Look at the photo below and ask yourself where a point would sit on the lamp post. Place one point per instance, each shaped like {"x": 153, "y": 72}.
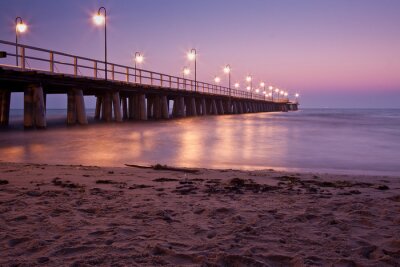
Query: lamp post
{"x": 297, "y": 97}
{"x": 249, "y": 79}
{"x": 185, "y": 71}
{"x": 277, "y": 93}
{"x": 262, "y": 85}
{"x": 227, "y": 70}
{"x": 138, "y": 60}
{"x": 192, "y": 55}
{"x": 237, "y": 85}
{"x": 270, "y": 88}
{"x": 100, "y": 19}
{"x": 20, "y": 27}
{"x": 217, "y": 79}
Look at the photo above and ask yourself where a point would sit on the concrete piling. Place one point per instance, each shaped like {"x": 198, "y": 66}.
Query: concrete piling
{"x": 5, "y": 100}
{"x": 164, "y": 107}
{"x": 117, "y": 106}
{"x": 97, "y": 112}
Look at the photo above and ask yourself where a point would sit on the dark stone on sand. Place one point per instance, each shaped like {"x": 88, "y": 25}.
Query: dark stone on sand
{"x": 2, "y": 182}
{"x": 43, "y": 259}
{"x": 106, "y": 182}
{"x": 383, "y": 187}
{"x": 211, "y": 234}
{"x": 20, "y": 218}
{"x": 16, "y": 241}
{"x": 33, "y": 193}
{"x": 165, "y": 180}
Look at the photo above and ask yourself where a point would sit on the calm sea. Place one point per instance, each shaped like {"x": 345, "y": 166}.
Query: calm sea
{"x": 316, "y": 140}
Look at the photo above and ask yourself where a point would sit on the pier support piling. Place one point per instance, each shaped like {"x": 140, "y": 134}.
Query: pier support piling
{"x": 5, "y": 100}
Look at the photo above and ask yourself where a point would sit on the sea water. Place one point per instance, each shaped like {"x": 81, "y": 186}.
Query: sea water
{"x": 353, "y": 141}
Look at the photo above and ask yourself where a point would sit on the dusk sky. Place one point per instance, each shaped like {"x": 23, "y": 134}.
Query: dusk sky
{"x": 338, "y": 53}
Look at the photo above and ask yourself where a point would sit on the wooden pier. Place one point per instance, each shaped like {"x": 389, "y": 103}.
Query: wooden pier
{"x": 129, "y": 94}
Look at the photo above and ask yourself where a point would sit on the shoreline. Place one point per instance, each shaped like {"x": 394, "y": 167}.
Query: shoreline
{"x": 72, "y": 214}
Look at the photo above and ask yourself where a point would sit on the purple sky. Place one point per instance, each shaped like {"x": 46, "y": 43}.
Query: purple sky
{"x": 341, "y": 53}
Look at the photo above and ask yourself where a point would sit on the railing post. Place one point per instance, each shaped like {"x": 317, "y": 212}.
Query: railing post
{"x": 140, "y": 76}
{"x": 151, "y": 78}
{"x": 51, "y": 62}
{"x": 127, "y": 74}
{"x": 170, "y": 82}
{"x": 161, "y": 78}
{"x": 112, "y": 72}
{"x": 75, "y": 66}
{"x": 22, "y": 52}
{"x": 95, "y": 69}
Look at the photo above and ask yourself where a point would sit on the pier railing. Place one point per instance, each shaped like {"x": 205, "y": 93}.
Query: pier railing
{"x": 29, "y": 58}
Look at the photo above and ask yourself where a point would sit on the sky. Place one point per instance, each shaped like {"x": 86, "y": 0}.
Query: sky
{"x": 335, "y": 54}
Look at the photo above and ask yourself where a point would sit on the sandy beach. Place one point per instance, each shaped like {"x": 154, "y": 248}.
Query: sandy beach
{"x": 55, "y": 215}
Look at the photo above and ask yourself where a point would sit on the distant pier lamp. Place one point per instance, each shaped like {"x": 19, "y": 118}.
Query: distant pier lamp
{"x": 20, "y": 27}
{"x": 271, "y": 88}
{"x": 227, "y": 70}
{"x": 248, "y": 88}
{"x": 286, "y": 95}
{"x": 297, "y": 97}
{"x": 99, "y": 19}
{"x": 138, "y": 60}
{"x": 262, "y": 85}
{"x": 217, "y": 79}
{"x": 192, "y": 56}
{"x": 281, "y": 93}
{"x": 257, "y": 90}
{"x": 249, "y": 79}
{"x": 277, "y": 92}
{"x": 185, "y": 72}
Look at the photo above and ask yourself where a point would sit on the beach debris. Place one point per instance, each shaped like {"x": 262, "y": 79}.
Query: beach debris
{"x": 2, "y": 182}
{"x": 107, "y": 182}
{"x": 140, "y": 186}
{"x": 159, "y": 167}
{"x": 65, "y": 184}
{"x": 165, "y": 180}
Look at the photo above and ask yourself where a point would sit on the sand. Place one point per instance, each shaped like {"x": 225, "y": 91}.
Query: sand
{"x": 54, "y": 215}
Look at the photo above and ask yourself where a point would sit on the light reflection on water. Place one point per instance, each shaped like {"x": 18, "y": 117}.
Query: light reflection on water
{"x": 354, "y": 141}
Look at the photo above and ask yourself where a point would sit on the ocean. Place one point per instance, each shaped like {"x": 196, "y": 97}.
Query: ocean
{"x": 348, "y": 141}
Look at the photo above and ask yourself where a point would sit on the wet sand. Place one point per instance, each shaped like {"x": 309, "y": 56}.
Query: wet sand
{"x": 56, "y": 215}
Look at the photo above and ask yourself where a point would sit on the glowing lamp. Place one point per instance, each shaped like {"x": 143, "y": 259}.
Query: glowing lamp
{"x": 227, "y": 69}
{"x": 21, "y": 27}
{"x": 217, "y": 79}
{"x": 186, "y": 71}
{"x": 237, "y": 85}
{"x": 99, "y": 19}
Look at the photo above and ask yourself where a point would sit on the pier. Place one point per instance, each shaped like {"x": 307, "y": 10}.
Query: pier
{"x": 125, "y": 94}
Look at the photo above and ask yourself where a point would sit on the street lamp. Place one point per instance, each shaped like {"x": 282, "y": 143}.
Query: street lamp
{"x": 277, "y": 93}
{"x": 281, "y": 93}
{"x": 270, "y": 88}
{"x": 100, "y": 19}
{"x": 217, "y": 79}
{"x": 227, "y": 70}
{"x": 262, "y": 85}
{"x": 249, "y": 79}
{"x": 138, "y": 60}
{"x": 297, "y": 97}
{"x": 20, "y": 27}
{"x": 192, "y": 55}
{"x": 185, "y": 71}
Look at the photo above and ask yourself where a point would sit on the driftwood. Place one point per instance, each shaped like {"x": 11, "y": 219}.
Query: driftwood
{"x": 159, "y": 167}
